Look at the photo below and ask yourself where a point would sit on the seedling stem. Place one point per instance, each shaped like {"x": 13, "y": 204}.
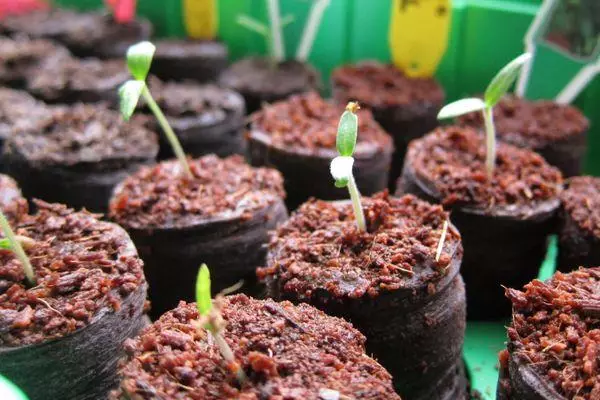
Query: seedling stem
{"x": 17, "y": 249}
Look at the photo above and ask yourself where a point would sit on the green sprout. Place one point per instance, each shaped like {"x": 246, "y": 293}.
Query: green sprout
{"x": 341, "y": 166}
{"x": 494, "y": 92}
{"x": 15, "y": 243}
{"x": 212, "y": 321}
{"x": 139, "y": 59}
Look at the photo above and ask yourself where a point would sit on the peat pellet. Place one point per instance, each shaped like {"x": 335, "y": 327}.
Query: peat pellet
{"x": 207, "y": 119}
{"x": 405, "y": 107}
{"x": 557, "y": 132}
{"x": 62, "y": 338}
{"x": 262, "y": 81}
{"x": 76, "y": 155}
{"x": 69, "y": 80}
{"x": 298, "y": 137}
{"x": 86, "y": 34}
{"x": 220, "y": 216}
{"x": 286, "y": 351}
{"x": 504, "y": 221}
{"x": 579, "y": 224}
{"x": 388, "y": 282}
{"x": 197, "y": 60}
{"x": 22, "y": 56}
{"x": 553, "y": 339}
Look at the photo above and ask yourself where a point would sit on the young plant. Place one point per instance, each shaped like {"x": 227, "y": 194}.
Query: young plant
{"x": 139, "y": 59}
{"x": 212, "y": 321}
{"x": 494, "y": 92}
{"x": 15, "y": 244}
{"x": 341, "y": 166}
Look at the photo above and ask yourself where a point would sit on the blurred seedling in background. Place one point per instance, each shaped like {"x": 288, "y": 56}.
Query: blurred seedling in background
{"x": 273, "y": 33}
{"x": 212, "y": 320}
{"x": 497, "y": 88}
{"x": 16, "y": 243}
{"x": 341, "y": 166}
{"x": 139, "y": 59}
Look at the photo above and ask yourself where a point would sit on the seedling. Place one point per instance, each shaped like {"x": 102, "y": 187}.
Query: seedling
{"x": 494, "y": 92}
{"x": 341, "y": 166}
{"x": 274, "y": 33}
{"x": 212, "y": 321}
{"x": 139, "y": 59}
{"x": 15, "y": 243}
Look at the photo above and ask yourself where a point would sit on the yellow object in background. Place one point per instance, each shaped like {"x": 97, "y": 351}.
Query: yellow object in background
{"x": 418, "y": 35}
{"x": 200, "y": 18}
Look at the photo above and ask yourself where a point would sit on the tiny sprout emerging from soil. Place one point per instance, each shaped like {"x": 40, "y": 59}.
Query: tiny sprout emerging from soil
{"x": 341, "y": 166}
{"x": 212, "y": 321}
{"x": 494, "y": 92}
{"x": 139, "y": 59}
{"x": 440, "y": 246}
{"x": 16, "y": 243}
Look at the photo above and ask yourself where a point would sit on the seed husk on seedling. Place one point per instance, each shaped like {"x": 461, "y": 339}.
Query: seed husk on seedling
{"x": 212, "y": 321}
{"x": 494, "y": 92}
{"x": 341, "y": 166}
{"x": 15, "y": 243}
{"x": 139, "y": 59}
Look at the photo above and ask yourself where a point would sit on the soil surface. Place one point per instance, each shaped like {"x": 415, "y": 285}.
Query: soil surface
{"x": 210, "y": 104}
{"x": 19, "y": 110}
{"x": 307, "y": 123}
{"x": 162, "y": 197}
{"x": 287, "y": 352}
{"x": 452, "y": 159}
{"x": 555, "y": 331}
{"x": 21, "y": 56}
{"x": 320, "y": 247}
{"x": 259, "y": 75}
{"x": 82, "y": 265}
{"x": 58, "y": 77}
{"x": 581, "y": 200}
{"x": 383, "y": 85}
{"x": 532, "y": 124}
{"x": 83, "y": 134}
{"x": 12, "y": 203}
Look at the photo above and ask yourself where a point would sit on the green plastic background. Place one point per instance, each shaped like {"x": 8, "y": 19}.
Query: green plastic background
{"x": 485, "y": 34}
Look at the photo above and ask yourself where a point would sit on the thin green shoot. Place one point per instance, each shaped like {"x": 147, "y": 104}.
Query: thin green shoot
{"x": 14, "y": 244}
{"x": 139, "y": 60}
{"x": 263, "y": 30}
{"x": 212, "y": 321}
{"x": 497, "y": 88}
{"x": 341, "y": 166}
{"x": 440, "y": 246}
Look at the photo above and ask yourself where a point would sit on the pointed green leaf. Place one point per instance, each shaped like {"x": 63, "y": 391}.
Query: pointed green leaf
{"x": 129, "y": 95}
{"x": 203, "y": 297}
{"x": 461, "y": 107}
{"x": 139, "y": 59}
{"x": 504, "y": 80}
{"x": 347, "y": 133}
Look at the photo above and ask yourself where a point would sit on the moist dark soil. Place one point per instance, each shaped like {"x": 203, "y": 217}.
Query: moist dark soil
{"x": 18, "y": 109}
{"x": 554, "y": 339}
{"x": 22, "y": 56}
{"x": 198, "y": 60}
{"x": 72, "y": 80}
{"x": 579, "y": 233}
{"x": 220, "y": 217}
{"x": 12, "y": 203}
{"x": 504, "y": 221}
{"x": 287, "y": 352}
{"x": 297, "y": 136}
{"x": 61, "y": 338}
{"x": 386, "y": 281}
{"x": 557, "y": 132}
{"x": 206, "y": 118}
{"x": 262, "y": 81}
{"x": 405, "y": 107}
{"x": 77, "y": 154}
{"x": 90, "y": 34}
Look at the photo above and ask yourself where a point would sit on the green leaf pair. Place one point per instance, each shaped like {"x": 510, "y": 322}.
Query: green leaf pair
{"x": 494, "y": 92}
{"x": 139, "y": 60}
